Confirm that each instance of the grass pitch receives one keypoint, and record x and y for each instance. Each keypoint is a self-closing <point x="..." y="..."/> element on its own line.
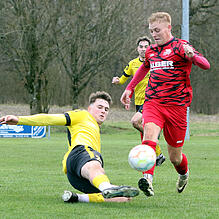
<point x="32" y="181"/>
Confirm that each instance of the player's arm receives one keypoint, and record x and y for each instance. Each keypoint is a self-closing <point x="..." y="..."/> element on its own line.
<point x="35" y="120"/>
<point x="42" y="120"/>
<point x="195" y="57"/>
<point x="140" y="73"/>
<point x="125" y="75"/>
<point x="139" y="76"/>
<point x="121" y="80"/>
<point x="201" y="62"/>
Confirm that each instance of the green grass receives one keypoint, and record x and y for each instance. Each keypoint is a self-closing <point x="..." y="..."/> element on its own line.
<point x="32" y="181"/>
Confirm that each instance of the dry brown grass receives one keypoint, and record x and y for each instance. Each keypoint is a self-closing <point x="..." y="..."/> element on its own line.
<point x="116" y="114"/>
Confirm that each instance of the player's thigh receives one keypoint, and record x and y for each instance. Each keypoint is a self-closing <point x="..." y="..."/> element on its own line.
<point x="151" y="131"/>
<point x="80" y="183"/>
<point x="78" y="157"/>
<point x="152" y="119"/>
<point x="175" y="126"/>
<point x="153" y="113"/>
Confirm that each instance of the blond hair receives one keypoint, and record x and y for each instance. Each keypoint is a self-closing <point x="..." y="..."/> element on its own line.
<point x="160" y="17"/>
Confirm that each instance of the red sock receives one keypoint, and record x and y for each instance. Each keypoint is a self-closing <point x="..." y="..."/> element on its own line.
<point x="152" y="144"/>
<point x="183" y="167"/>
<point x="141" y="134"/>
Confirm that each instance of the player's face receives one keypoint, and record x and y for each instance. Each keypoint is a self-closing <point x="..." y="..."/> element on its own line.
<point x="160" y="31"/>
<point x="99" y="110"/>
<point x="142" y="48"/>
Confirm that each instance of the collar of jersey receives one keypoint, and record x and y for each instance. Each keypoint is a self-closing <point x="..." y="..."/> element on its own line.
<point x="167" y="43"/>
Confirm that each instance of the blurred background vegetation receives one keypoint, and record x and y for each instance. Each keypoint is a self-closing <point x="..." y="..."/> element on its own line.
<point x="56" y="52"/>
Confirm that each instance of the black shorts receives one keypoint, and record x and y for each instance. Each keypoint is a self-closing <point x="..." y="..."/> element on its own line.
<point x="76" y="159"/>
<point x="139" y="108"/>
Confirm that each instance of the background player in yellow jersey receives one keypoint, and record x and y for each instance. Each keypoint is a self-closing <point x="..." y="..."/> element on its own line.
<point x="142" y="44"/>
<point x="83" y="162"/>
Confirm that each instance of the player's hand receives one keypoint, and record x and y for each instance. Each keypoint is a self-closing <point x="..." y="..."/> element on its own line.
<point x="188" y="50"/>
<point x="115" y="80"/>
<point x="10" y="120"/>
<point x="125" y="99"/>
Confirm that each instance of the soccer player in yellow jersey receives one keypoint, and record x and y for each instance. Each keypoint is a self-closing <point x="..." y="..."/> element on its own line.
<point x="83" y="162"/>
<point x="142" y="44"/>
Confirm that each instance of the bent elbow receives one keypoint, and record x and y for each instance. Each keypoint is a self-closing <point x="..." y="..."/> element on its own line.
<point x="207" y="67"/>
<point x="201" y="62"/>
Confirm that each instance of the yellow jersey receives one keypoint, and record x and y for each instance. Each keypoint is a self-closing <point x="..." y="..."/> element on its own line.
<point x="82" y="128"/>
<point x="130" y="70"/>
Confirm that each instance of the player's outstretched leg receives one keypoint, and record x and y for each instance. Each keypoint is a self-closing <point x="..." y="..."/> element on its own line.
<point x="145" y="183"/>
<point x="70" y="197"/>
<point x="146" y="186"/>
<point x="182" y="182"/>
<point x="120" y="191"/>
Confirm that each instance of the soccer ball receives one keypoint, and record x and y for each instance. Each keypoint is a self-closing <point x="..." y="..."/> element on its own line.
<point x="142" y="158"/>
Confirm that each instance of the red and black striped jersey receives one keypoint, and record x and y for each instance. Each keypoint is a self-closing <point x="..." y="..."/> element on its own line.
<point x="170" y="69"/>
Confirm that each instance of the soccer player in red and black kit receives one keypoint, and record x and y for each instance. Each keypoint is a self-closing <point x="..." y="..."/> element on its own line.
<point x="167" y="95"/>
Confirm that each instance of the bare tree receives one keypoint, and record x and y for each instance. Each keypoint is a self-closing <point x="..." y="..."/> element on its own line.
<point x="202" y="11"/>
<point x="203" y="34"/>
<point x="93" y="40"/>
<point x="27" y="42"/>
<point x="88" y="39"/>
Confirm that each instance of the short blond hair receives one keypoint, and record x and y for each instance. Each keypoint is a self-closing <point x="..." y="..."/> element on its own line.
<point x="160" y="16"/>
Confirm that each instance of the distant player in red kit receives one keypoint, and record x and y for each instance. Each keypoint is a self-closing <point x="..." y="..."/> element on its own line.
<point x="167" y="95"/>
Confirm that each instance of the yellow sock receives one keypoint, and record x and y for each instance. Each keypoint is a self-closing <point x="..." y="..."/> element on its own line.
<point x="96" y="197"/>
<point x="101" y="182"/>
<point x="158" y="150"/>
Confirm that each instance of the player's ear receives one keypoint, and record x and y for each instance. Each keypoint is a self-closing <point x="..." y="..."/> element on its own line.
<point x="89" y="107"/>
<point x="169" y="27"/>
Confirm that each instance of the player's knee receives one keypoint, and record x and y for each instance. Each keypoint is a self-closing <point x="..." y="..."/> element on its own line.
<point x="95" y="165"/>
<point x="135" y="122"/>
<point x="175" y="161"/>
<point x="91" y="168"/>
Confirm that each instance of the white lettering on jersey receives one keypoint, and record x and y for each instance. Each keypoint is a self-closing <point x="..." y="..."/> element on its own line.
<point x="162" y="65"/>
